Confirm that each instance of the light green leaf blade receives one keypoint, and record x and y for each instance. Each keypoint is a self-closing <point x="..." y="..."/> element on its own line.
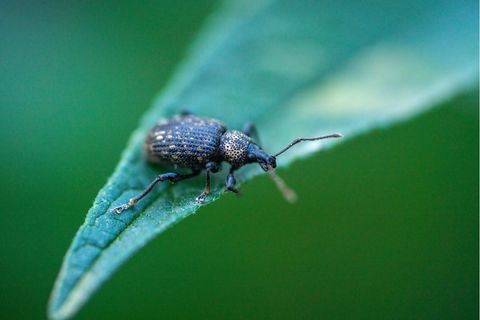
<point x="298" y="68"/>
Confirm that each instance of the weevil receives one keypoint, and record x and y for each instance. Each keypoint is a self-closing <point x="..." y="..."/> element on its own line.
<point x="200" y="143"/>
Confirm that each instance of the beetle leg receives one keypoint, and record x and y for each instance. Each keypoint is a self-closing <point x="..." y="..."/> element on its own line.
<point x="185" y="112"/>
<point x="171" y="176"/>
<point x="206" y="191"/>
<point x="210" y="167"/>
<point x="231" y="182"/>
<point x="251" y="130"/>
<point x="213" y="167"/>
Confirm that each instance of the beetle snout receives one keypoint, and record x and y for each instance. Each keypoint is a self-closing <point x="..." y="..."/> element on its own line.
<point x="272" y="162"/>
<point x="268" y="164"/>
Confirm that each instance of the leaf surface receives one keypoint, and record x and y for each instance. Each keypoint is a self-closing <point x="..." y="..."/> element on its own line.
<point x="295" y="68"/>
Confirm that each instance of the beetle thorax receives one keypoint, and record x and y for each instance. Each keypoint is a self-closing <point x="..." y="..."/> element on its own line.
<point x="234" y="147"/>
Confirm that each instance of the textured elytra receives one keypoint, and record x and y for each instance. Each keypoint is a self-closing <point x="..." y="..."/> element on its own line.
<point x="184" y="140"/>
<point x="234" y="147"/>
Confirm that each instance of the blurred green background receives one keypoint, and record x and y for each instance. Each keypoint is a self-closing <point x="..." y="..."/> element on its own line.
<point x="386" y="226"/>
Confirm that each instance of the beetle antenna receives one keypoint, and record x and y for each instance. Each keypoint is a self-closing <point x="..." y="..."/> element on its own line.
<point x="288" y="194"/>
<point x="298" y="140"/>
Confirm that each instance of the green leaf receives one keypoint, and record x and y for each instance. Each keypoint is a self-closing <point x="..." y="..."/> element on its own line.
<point x="295" y="68"/>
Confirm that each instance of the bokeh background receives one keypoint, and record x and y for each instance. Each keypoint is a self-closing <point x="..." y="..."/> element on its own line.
<point x="386" y="226"/>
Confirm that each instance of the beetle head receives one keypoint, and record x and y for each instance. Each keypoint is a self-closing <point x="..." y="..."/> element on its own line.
<point x="266" y="161"/>
<point x="238" y="149"/>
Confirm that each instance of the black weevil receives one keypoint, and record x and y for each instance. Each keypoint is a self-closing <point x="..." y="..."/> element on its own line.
<point x="202" y="143"/>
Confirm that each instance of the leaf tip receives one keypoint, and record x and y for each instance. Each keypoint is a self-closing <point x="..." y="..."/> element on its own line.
<point x="66" y="299"/>
<point x="56" y="310"/>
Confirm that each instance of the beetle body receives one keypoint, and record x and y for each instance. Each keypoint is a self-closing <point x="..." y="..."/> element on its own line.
<point x="200" y="143"/>
<point x="195" y="142"/>
<point x="185" y="140"/>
